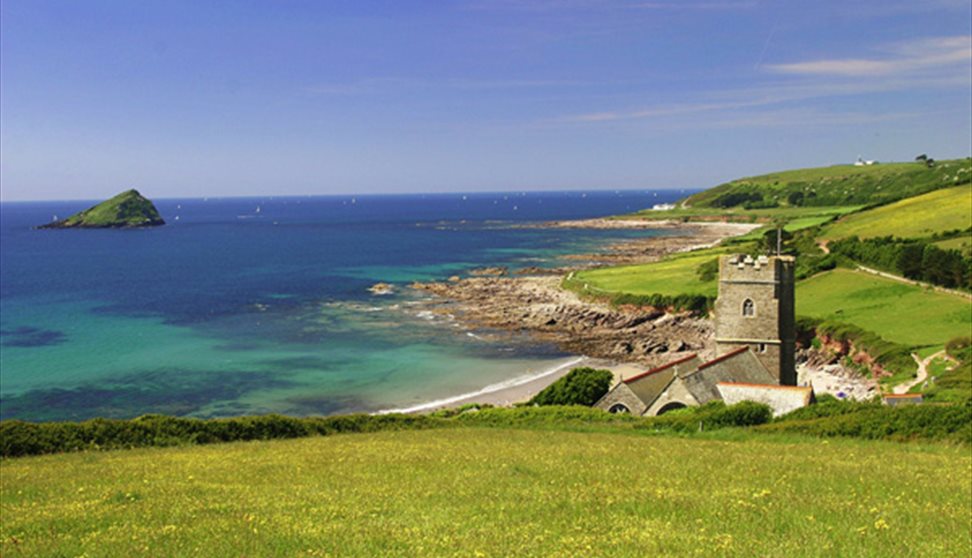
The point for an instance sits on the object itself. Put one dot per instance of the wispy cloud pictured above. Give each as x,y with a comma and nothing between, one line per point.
764,97
901,58
931,63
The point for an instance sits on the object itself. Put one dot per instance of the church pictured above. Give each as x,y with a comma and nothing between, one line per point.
755,342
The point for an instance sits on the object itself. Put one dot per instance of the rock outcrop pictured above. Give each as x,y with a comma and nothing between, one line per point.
536,305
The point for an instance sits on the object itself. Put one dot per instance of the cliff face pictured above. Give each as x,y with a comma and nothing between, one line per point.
126,210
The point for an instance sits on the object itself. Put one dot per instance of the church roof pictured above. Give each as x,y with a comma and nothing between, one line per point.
740,365
660,368
649,385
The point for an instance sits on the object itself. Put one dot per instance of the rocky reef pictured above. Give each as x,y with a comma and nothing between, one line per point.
538,306
126,210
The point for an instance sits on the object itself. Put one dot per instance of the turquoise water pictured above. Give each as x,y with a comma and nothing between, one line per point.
229,310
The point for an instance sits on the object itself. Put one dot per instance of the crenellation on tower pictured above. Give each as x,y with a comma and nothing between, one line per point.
755,308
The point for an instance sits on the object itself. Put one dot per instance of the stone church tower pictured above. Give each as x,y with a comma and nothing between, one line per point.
756,308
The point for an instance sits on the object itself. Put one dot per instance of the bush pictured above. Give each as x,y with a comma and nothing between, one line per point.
876,421
707,271
699,304
711,416
581,386
19,438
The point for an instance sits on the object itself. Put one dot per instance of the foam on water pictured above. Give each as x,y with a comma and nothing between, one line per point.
492,388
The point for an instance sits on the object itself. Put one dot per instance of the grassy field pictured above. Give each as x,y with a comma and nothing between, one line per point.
962,244
672,276
916,217
738,214
494,492
843,184
889,308
884,306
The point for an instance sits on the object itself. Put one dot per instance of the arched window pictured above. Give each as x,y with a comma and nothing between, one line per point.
671,406
749,309
618,408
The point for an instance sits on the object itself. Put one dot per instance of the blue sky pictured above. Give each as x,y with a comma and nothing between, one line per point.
253,98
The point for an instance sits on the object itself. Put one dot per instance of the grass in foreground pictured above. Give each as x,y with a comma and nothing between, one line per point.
886,307
494,492
917,217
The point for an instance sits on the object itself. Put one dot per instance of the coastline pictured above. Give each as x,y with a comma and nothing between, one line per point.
624,340
531,301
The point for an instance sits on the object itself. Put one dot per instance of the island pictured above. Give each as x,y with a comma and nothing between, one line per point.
126,210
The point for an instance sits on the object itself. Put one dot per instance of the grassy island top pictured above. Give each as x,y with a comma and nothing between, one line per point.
126,210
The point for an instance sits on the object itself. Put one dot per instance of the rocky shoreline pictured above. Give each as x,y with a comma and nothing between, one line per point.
531,301
539,307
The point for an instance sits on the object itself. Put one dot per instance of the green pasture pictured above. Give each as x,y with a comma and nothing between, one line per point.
738,214
917,217
842,184
962,244
494,492
898,312
671,276
884,306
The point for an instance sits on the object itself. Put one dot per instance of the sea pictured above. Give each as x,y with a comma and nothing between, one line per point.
242,306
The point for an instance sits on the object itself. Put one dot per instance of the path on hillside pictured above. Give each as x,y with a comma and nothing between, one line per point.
901,279
826,250
922,372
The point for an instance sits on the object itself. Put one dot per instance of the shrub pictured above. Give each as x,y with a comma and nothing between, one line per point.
711,416
707,271
876,421
581,386
19,438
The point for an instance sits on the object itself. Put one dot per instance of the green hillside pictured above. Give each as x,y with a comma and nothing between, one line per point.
916,217
493,492
883,306
898,312
126,210
839,185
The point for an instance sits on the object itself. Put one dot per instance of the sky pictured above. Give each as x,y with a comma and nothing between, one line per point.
192,99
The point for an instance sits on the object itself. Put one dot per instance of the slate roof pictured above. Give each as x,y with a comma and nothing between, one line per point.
740,365
649,385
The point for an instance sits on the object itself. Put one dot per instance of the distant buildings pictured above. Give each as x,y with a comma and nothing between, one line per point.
862,163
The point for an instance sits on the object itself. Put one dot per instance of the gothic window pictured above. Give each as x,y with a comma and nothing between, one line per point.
749,309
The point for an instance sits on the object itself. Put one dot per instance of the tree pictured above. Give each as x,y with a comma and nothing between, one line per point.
769,240
581,386
909,260
795,198
921,158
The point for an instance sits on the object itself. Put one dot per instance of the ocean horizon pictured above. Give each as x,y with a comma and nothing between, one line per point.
254,305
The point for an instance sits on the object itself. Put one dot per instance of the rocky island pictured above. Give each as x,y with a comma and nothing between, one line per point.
126,210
